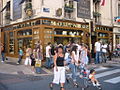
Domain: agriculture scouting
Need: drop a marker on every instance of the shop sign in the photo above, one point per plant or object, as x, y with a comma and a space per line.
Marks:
103, 28
65, 24
47, 22
83, 9
46, 10
22, 25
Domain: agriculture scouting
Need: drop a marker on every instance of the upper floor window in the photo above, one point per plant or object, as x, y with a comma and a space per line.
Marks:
119, 10
17, 9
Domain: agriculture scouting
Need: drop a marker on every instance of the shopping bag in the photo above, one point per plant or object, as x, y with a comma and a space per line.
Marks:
38, 63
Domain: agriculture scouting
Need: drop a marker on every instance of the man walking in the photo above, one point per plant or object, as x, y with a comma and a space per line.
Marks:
97, 51
48, 55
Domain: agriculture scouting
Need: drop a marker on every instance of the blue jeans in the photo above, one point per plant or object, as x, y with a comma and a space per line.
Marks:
48, 62
3, 56
20, 59
73, 68
97, 58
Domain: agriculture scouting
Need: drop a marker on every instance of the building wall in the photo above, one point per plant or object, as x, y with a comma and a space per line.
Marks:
0, 13
106, 13
38, 6
116, 25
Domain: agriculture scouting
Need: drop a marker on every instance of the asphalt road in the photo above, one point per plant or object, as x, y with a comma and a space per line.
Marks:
19, 77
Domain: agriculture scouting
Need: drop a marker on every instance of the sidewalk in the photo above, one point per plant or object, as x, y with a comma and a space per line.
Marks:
10, 67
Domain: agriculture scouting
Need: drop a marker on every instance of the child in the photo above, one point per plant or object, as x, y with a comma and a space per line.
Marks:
92, 78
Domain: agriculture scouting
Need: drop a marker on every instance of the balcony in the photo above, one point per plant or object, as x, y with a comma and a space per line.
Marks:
96, 14
69, 7
96, 1
7, 15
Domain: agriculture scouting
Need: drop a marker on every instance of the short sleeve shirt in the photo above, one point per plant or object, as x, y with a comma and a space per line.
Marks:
48, 48
98, 46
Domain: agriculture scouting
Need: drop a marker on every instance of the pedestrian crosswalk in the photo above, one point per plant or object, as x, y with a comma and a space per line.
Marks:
107, 73
112, 76
113, 80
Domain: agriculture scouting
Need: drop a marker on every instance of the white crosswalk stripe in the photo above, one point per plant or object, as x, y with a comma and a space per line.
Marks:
101, 69
107, 73
113, 80
104, 72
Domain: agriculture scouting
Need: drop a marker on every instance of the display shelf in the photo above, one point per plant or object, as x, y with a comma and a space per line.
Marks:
66, 36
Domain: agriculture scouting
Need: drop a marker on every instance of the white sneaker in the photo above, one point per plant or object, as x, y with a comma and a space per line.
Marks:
18, 63
94, 84
2, 61
98, 84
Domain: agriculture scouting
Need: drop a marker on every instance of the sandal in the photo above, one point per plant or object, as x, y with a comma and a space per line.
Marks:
51, 86
62, 88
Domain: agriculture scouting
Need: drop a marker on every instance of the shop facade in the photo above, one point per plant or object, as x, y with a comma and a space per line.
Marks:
44, 29
104, 33
116, 36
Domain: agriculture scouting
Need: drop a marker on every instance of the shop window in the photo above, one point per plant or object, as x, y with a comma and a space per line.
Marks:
11, 43
65, 35
48, 35
117, 39
67, 32
103, 35
5, 41
36, 33
24, 32
24, 43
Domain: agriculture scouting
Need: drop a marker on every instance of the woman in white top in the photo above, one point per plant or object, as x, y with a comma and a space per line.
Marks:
28, 53
104, 52
74, 63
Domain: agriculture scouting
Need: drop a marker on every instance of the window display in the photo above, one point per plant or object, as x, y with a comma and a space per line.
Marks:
24, 43
11, 43
48, 35
24, 32
35, 35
